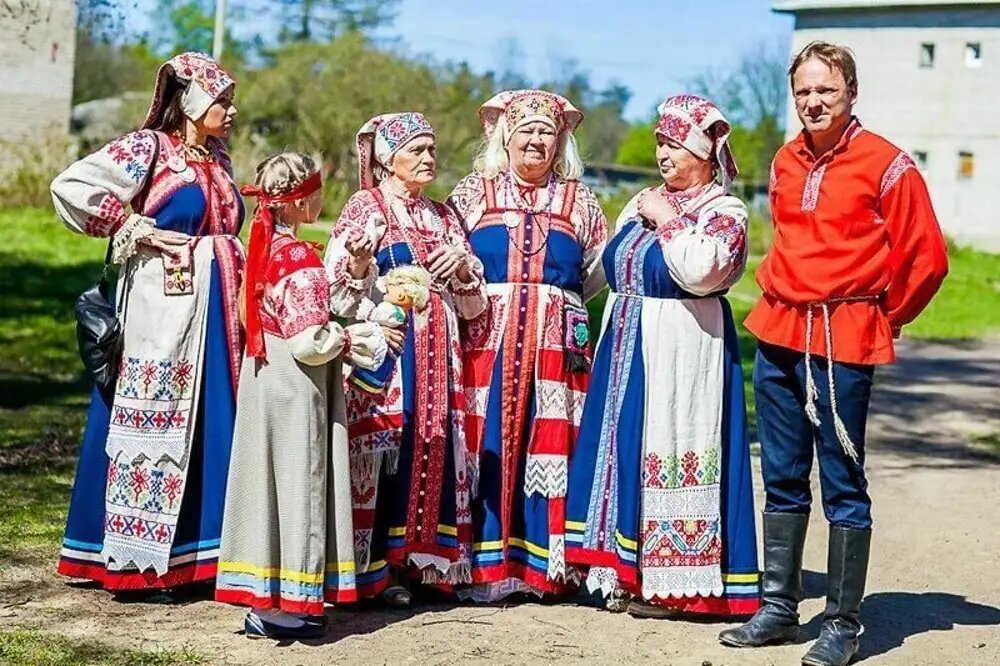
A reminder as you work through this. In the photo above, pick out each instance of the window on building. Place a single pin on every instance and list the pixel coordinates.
(920, 157)
(966, 164)
(927, 54)
(973, 54)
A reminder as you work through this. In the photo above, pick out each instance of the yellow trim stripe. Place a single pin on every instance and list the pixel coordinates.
(530, 547)
(442, 529)
(341, 567)
(570, 524)
(271, 572)
(373, 567)
(519, 543)
(364, 385)
(740, 578)
(628, 543)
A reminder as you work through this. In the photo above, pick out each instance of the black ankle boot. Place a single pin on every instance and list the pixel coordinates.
(777, 621)
(846, 570)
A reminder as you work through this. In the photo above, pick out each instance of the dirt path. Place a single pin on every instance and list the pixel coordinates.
(932, 592)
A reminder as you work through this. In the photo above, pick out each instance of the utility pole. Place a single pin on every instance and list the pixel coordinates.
(220, 29)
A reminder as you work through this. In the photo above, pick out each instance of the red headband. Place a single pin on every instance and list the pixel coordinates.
(259, 252)
(300, 191)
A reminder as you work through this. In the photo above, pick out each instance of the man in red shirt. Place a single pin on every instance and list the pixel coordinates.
(857, 254)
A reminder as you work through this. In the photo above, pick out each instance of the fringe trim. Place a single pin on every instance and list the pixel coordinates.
(120, 556)
(126, 239)
(369, 464)
(602, 579)
(436, 570)
(811, 391)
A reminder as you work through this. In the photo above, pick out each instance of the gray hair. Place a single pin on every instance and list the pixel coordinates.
(380, 171)
(492, 158)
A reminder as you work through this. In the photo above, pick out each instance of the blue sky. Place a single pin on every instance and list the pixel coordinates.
(652, 47)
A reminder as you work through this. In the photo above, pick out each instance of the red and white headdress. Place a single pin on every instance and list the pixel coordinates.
(204, 81)
(380, 138)
(511, 109)
(699, 126)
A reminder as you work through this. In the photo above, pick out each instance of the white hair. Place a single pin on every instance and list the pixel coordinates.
(492, 158)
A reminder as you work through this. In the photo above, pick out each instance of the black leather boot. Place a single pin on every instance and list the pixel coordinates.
(777, 621)
(847, 568)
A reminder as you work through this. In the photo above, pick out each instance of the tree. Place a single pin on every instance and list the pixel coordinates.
(753, 95)
(601, 135)
(754, 90)
(638, 147)
(104, 69)
(192, 28)
(307, 20)
(604, 127)
(510, 61)
(314, 97)
(104, 66)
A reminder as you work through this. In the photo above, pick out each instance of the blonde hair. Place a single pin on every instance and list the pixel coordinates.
(280, 174)
(413, 280)
(492, 158)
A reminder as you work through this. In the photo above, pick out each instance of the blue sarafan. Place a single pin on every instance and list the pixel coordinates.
(660, 500)
(176, 391)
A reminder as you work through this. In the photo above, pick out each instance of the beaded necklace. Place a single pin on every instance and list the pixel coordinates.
(513, 219)
(438, 226)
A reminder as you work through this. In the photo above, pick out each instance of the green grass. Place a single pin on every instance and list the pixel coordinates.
(44, 393)
(43, 268)
(33, 648)
(33, 504)
(968, 305)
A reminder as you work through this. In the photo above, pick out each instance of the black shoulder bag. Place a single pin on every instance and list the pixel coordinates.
(98, 327)
(99, 332)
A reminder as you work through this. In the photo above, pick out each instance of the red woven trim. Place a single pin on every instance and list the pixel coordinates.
(494, 573)
(271, 602)
(111, 580)
(569, 198)
(340, 595)
(231, 266)
(372, 590)
(627, 573)
(723, 606)
(490, 194)
(398, 556)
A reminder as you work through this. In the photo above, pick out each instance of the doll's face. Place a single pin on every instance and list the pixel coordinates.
(396, 294)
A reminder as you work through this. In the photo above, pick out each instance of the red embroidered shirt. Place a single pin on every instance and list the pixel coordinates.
(855, 229)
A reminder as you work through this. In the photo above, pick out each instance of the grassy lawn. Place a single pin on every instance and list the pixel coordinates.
(44, 393)
(32, 648)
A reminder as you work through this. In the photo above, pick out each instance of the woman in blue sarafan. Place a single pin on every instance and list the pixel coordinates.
(146, 510)
(660, 502)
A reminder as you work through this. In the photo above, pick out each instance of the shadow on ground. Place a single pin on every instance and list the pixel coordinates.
(925, 406)
(890, 618)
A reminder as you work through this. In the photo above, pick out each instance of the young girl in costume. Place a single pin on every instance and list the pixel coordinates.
(287, 532)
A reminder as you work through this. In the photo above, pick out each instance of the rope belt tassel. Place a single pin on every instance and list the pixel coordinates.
(812, 393)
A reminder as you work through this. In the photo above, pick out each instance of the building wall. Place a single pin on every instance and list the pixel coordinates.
(37, 50)
(942, 110)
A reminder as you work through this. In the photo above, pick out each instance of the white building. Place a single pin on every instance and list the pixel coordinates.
(37, 50)
(929, 78)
